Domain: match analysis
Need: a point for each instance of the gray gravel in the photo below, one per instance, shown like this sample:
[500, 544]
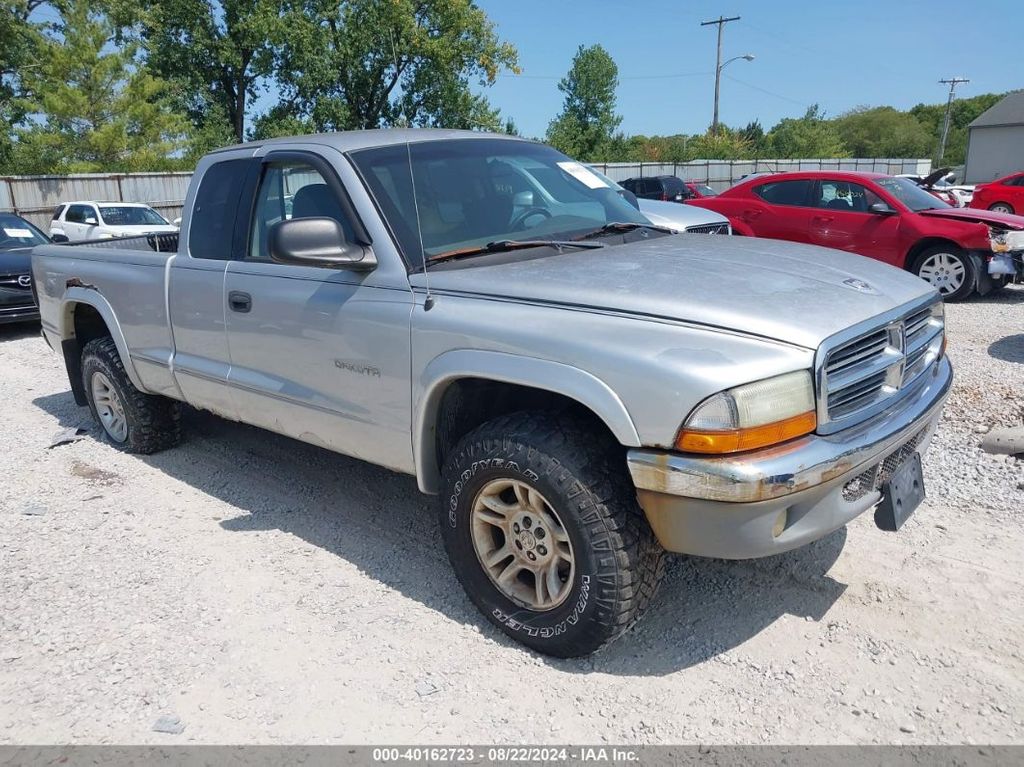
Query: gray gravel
[246, 588]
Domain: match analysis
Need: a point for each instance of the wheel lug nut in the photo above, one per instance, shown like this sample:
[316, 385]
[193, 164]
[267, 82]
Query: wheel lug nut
[519, 545]
[527, 522]
[539, 532]
[542, 550]
[530, 555]
[515, 527]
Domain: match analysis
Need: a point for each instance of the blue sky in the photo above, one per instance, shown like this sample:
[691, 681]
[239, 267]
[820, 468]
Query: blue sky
[838, 53]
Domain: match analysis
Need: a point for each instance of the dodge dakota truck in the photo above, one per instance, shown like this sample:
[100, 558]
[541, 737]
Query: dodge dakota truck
[583, 390]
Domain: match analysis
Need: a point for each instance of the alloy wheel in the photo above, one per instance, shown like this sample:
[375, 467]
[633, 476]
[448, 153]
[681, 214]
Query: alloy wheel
[522, 545]
[109, 407]
[944, 271]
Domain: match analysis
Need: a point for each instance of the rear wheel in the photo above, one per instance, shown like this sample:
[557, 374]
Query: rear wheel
[542, 526]
[1001, 207]
[949, 270]
[131, 420]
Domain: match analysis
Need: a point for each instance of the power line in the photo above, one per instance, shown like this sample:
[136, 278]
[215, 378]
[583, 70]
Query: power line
[624, 77]
[766, 91]
[952, 83]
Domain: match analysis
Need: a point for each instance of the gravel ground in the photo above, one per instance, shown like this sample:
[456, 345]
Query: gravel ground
[246, 588]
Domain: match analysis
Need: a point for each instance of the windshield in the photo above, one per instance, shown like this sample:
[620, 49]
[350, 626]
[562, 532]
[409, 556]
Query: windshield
[910, 194]
[471, 192]
[16, 232]
[124, 215]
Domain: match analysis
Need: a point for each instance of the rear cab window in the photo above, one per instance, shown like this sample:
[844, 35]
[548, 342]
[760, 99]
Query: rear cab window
[212, 223]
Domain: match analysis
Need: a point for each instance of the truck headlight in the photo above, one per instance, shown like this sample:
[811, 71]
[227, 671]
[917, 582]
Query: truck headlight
[751, 416]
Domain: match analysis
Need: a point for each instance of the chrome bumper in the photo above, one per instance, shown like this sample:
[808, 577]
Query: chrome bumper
[772, 500]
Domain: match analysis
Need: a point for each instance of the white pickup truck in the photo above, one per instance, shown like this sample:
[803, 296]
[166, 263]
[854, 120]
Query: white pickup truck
[583, 389]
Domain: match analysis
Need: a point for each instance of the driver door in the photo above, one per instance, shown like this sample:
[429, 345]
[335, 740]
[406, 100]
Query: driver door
[842, 219]
[317, 353]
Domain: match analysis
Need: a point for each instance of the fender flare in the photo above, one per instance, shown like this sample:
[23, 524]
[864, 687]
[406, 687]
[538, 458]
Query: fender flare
[557, 377]
[90, 296]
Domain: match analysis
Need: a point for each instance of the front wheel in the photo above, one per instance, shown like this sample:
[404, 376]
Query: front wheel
[542, 526]
[949, 270]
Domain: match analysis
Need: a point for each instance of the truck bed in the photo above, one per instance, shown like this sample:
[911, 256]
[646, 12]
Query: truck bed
[129, 276]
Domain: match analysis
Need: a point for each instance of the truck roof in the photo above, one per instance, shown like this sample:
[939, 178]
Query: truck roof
[347, 141]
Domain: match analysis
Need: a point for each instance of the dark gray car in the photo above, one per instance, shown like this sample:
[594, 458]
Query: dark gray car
[17, 237]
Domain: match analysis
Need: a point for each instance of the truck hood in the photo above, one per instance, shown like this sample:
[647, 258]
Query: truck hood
[797, 294]
[977, 216]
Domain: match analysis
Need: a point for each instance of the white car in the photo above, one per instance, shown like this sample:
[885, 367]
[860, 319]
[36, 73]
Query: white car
[942, 184]
[88, 220]
[673, 215]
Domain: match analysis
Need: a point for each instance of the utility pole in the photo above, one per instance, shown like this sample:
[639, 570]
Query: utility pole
[721, 21]
[952, 83]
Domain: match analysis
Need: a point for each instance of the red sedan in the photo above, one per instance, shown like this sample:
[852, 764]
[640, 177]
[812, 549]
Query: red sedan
[959, 251]
[1004, 195]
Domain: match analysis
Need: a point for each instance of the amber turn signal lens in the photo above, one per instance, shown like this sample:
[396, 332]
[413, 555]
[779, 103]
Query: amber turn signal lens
[751, 438]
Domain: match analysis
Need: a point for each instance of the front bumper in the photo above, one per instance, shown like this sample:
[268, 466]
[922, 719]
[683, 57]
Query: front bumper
[769, 501]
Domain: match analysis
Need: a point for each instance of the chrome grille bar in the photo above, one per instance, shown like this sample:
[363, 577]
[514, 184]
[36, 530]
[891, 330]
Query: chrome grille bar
[859, 376]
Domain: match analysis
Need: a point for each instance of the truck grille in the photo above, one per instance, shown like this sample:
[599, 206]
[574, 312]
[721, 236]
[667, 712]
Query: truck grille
[722, 228]
[860, 376]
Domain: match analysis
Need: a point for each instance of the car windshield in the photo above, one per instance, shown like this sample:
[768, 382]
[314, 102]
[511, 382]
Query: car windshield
[16, 232]
[472, 192]
[910, 194]
[131, 215]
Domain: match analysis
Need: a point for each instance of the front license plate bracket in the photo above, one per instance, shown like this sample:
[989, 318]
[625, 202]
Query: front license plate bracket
[901, 495]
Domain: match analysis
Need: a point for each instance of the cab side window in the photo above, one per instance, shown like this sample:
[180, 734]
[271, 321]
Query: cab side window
[785, 192]
[287, 191]
[845, 197]
[77, 214]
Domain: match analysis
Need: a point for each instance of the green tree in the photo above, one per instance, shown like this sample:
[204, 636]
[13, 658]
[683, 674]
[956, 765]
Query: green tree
[586, 126]
[964, 112]
[724, 145]
[216, 53]
[19, 41]
[808, 136]
[369, 64]
[883, 132]
[93, 106]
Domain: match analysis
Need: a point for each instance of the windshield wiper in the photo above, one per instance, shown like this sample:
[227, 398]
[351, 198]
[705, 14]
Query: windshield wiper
[503, 246]
[616, 227]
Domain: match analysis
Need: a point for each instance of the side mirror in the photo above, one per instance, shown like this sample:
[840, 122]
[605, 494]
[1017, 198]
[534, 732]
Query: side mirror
[523, 199]
[91, 221]
[316, 242]
[881, 209]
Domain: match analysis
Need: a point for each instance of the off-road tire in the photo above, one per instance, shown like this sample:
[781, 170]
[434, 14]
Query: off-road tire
[154, 422]
[967, 288]
[582, 475]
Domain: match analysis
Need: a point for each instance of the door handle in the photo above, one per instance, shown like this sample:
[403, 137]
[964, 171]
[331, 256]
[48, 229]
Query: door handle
[825, 219]
[239, 301]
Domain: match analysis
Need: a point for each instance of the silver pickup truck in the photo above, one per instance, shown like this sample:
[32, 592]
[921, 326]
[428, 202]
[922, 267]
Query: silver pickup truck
[582, 389]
